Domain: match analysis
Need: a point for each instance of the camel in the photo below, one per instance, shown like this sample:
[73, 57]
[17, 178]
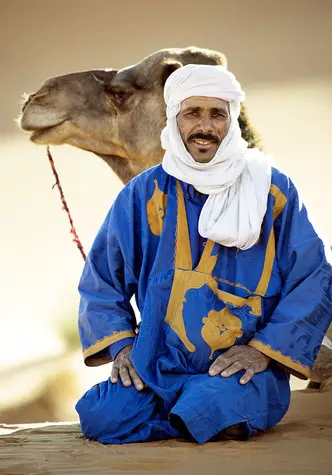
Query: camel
[118, 115]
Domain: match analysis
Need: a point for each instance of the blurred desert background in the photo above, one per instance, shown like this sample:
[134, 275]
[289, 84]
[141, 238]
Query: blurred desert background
[280, 52]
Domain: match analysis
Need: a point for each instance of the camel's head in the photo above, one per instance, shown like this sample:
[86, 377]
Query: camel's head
[116, 114]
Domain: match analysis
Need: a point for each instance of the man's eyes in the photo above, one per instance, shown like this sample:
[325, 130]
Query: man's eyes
[215, 115]
[218, 115]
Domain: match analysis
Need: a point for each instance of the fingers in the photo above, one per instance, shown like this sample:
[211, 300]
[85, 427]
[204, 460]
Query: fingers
[235, 367]
[219, 366]
[124, 368]
[124, 375]
[138, 383]
[232, 369]
[221, 363]
[247, 375]
[115, 374]
[128, 375]
[238, 358]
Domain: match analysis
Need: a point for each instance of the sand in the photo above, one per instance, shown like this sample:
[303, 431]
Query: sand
[300, 444]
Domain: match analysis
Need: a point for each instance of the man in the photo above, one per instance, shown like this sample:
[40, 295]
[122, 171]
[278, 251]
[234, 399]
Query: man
[230, 279]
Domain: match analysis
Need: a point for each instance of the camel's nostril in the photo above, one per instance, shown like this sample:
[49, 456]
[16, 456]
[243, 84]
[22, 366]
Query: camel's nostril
[36, 97]
[32, 98]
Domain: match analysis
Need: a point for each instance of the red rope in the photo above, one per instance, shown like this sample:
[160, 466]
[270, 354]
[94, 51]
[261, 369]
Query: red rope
[64, 203]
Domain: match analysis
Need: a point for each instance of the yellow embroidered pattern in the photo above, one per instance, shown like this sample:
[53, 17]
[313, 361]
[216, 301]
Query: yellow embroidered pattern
[104, 343]
[300, 370]
[156, 209]
[279, 203]
[233, 284]
[221, 329]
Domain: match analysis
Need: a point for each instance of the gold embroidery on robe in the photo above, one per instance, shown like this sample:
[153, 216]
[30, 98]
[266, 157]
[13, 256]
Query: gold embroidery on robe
[300, 370]
[156, 209]
[207, 262]
[183, 257]
[280, 201]
[279, 204]
[89, 354]
[186, 278]
[221, 329]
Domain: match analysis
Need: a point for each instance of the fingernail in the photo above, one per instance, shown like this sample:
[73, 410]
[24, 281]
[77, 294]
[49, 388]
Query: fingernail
[212, 372]
[224, 373]
[140, 386]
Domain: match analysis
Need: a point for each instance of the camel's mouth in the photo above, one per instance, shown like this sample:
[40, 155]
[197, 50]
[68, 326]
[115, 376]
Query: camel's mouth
[40, 119]
[50, 135]
[37, 134]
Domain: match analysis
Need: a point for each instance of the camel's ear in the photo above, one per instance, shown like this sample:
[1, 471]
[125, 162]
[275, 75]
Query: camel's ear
[169, 66]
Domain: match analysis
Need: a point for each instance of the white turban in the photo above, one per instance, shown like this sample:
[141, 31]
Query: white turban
[237, 179]
[201, 80]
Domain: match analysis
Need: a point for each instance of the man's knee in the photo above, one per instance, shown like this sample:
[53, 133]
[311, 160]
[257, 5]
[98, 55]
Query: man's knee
[94, 410]
[112, 409]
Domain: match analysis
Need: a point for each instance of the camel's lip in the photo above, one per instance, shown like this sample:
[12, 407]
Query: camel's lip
[36, 134]
[37, 118]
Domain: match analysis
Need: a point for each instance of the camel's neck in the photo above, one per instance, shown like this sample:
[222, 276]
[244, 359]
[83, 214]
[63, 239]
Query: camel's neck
[121, 167]
[126, 169]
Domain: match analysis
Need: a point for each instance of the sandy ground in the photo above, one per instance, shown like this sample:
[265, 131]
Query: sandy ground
[300, 444]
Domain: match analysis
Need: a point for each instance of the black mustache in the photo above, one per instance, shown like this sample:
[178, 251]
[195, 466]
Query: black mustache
[200, 136]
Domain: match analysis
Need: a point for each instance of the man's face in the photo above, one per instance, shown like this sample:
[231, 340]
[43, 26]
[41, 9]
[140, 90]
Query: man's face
[203, 123]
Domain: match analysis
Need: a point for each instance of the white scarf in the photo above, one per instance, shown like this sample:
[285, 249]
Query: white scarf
[237, 179]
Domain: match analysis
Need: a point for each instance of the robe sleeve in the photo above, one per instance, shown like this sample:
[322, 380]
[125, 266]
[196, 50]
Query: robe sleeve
[116, 347]
[294, 332]
[108, 282]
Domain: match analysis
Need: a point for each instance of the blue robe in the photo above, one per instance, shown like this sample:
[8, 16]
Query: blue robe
[197, 299]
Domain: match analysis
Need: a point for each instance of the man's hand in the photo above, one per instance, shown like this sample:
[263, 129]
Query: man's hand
[237, 358]
[123, 366]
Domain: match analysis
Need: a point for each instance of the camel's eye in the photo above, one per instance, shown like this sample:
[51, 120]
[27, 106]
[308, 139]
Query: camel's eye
[118, 95]
[115, 94]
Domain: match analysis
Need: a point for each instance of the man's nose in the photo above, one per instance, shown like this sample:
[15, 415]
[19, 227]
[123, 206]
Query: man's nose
[205, 123]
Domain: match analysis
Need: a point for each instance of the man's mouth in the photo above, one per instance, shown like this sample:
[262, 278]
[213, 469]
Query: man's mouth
[203, 143]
